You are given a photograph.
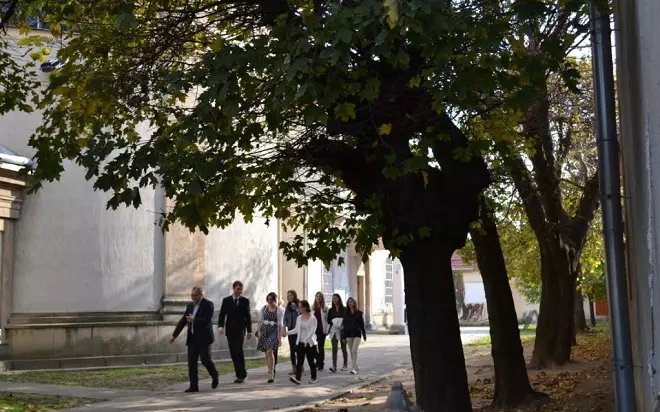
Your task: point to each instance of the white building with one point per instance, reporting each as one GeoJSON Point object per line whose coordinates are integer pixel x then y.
{"type": "Point", "coordinates": [84, 286]}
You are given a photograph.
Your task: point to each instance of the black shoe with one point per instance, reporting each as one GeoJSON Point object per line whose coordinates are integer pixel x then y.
{"type": "Point", "coordinates": [189, 390]}
{"type": "Point", "coordinates": [214, 384]}
{"type": "Point", "coordinates": [333, 369]}
{"type": "Point", "coordinates": [238, 380]}
{"type": "Point", "coordinates": [320, 368]}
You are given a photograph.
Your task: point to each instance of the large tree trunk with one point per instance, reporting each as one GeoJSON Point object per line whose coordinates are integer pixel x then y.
{"type": "Point", "coordinates": [511, 381]}
{"type": "Point", "coordinates": [592, 313]}
{"type": "Point", "coordinates": [554, 333]}
{"type": "Point", "coordinates": [580, 317]}
{"type": "Point", "coordinates": [435, 338]}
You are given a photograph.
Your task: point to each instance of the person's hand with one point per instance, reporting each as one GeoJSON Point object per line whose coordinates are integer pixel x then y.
{"type": "Point", "coordinates": [189, 318]}
{"type": "Point", "coordinates": [279, 342]}
{"type": "Point", "coordinates": [249, 336]}
{"type": "Point", "coordinates": [221, 331]}
{"type": "Point", "coordinates": [365, 338]}
{"type": "Point", "coordinates": [256, 335]}
{"type": "Point", "coordinates": [172, 339]}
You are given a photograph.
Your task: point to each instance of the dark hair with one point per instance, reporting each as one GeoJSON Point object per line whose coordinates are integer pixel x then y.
{"type": "Point", "coordinates": [295, 298]}
{"type": "Point", "coordinates": [272, 295]}
{"type": "Point", "coordinates": [305, 304]}
{"type": "Point", "coordinates": [341, 303]}
{"type": "Point", "coordinates": [237, 283]}
{"type": "Point", "coordinates": [355, 306]}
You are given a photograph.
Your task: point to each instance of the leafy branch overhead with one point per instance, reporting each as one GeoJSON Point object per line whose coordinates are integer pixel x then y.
{"type": "Point", "coordinates": [328, 116]}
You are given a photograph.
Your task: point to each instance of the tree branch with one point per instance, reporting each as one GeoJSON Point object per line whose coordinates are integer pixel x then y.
{"type": "Point", "coordinates": [586, 211]}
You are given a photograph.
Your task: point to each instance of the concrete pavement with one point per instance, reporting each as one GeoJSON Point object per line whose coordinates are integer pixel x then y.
{"type": "Point", "coordinates": [380, 357]}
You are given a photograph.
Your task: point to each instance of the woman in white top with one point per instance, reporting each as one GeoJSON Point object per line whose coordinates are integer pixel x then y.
{"type": "Point", "coordinates": [306, 342]}
{"type": "Point", "coordinates": [270, 329]}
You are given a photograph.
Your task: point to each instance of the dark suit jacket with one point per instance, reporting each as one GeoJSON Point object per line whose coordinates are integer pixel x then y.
{"type": "Point", "coordinates": [235, 319]}
{"type": "Point", "coordinates": [203, 323]}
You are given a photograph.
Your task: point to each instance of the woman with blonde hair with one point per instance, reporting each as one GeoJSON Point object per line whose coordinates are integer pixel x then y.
{"type": "Point", "coordinates": [319, 310]}
{"type": "Point", "coordinates": [353, 331]}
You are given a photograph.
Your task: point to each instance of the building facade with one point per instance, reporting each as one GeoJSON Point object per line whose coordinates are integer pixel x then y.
{"type": "Point", "coordinates": [84, 286]}
{"type": "Point", "coordinates": [638, 87]}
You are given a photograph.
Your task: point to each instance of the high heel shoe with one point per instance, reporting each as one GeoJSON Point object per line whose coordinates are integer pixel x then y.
{"type": "Point", "coordinates": [271, 377]}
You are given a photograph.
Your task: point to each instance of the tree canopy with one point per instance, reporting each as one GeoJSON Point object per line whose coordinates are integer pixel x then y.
{"type": "Point", "coordinates": [286, 109]}
{"type": "Point", "coordinates": [573, 124]}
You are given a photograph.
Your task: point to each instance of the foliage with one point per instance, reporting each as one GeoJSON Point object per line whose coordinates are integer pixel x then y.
{"type": "Point", "coordinates": [290, 110]}
{"type": "Point", "coordinates": [592, 261]}
{"type": "Point", "coordinates": [19, 87]}
{"type": "Point", "coordinates": [572, 122]}
{"type": "Point", "coordinates": [28, 402]}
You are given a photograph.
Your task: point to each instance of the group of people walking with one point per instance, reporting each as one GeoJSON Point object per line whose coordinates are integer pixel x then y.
{"type": "Point", "coordinates": [306, 326]}
{"type": "Point", "coordinates": [309, 327]}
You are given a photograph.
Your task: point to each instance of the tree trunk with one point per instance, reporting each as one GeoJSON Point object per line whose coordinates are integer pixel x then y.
{"type": "Point", "coordinates": [580, 317]}
{"type": "Point", "coordinates": [511, 381]}
{"type": "Point", "coordinates": [554, 333]}
{"type": "Point", "coordinates": [441, 381]}
{"type": "Point", "coordinates": [592, 313]}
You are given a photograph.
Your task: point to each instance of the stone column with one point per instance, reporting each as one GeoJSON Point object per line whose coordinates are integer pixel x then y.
{"type": "Point", "coordinates": [11, 202]}
{"type": "Point", "coordinates": [369, 325]}
{"type": "Point", "coordinates": [185, 267]}
{"type": "Point", "coordinates": [398, 321]}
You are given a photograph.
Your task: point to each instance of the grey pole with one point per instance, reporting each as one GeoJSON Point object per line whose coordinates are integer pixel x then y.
{"type": "Point", "coordinates": [610, 192]}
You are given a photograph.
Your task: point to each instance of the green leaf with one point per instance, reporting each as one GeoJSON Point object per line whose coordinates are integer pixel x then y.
{"type": "Point", "coordinates": [392, 8]}
{"type": "Point", "coordinates": [424, 232]}
{"type": "Point", "coordinates": [345, 111]}
{"type": "Point", "coordinates": [385, 129]}
{"type": "Point", "coordinates": [345, 35]}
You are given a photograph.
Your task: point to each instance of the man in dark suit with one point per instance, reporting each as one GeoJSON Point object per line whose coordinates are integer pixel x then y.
{"type": "Point", "coordinates": [199, 318]}
{"type": "Point", "coordinates": [234, 321]}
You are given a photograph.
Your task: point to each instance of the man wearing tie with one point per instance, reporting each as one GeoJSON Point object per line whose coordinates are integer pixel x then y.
{"type": "Point", "coordinates": [234, 320]}
{"type": "Point", "coordinates": [199, 318]}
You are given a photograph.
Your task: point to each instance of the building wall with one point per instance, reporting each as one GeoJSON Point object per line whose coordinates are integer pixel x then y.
{"type": "Point", "coordinates": [245, 252]}
{"type": "Point", "coordinates": [73, 255]}
{"type": "Point", "coordinates": [381, 312]}
{"type": "Point", "coordinates": [638, 64]}
{"type": "Point", "coordinates": [291, 276]}
{"type": "Point", "coordinates": [88, 282]}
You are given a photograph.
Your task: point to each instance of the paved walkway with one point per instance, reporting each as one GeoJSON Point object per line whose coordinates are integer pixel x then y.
{"type": "Point", "coordinates": [381, 356]}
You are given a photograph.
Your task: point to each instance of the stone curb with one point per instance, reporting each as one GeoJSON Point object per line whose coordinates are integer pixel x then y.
{"type": "Point", "coordinates": [340, 393]}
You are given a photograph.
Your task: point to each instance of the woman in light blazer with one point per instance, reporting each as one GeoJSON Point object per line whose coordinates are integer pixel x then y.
{"type": "Point", "coordinates": [306, 342]}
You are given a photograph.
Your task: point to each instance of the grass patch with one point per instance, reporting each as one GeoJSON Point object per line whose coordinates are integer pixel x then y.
{"type": "Point", "coordinates": [526, 335]}
{"type": "Point", "coordinates": [150, 378]}
{"type": "Point", "coordinates": [19, 402]}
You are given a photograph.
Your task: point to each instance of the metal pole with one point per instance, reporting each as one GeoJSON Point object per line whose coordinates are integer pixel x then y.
{"type": "Point", "coordinates": [610, 192]}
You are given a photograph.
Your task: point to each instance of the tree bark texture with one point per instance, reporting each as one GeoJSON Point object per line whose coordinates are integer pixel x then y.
{"type": "Point", "coordinates": [580, 316]}
{"type": "Point", "coordinates": [592, 313]}
{"type": "Point", "coordinates": [554, 333]}
{"type": "Point", "coordinates": [512, 385]}
{"type": "Point", "coordinates": [441, 381]}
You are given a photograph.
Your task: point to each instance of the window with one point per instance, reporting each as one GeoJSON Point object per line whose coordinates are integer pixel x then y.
{"type": "Point", "coordinates": [389, 282]}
